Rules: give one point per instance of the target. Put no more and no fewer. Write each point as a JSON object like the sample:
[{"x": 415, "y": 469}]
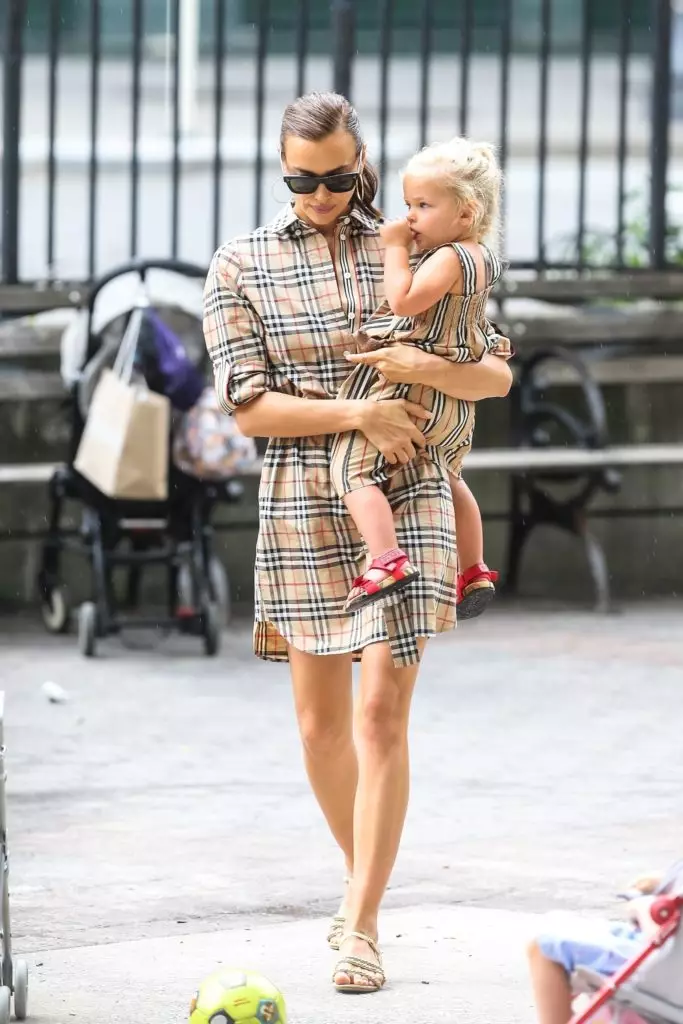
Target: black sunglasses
[{"x": 307, "y": 184}]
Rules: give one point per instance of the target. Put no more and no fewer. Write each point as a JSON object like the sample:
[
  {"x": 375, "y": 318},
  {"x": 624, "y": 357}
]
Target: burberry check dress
[
  {"x": 278, "y": 317},
  {"x": 455, "y": 328}
]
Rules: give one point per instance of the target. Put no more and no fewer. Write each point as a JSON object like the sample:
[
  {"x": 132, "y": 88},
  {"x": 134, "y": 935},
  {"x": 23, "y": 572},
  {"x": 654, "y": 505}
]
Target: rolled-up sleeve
[{"x": 234, "y": 335}]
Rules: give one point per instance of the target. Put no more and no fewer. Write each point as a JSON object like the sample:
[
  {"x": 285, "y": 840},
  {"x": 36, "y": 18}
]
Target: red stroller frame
[{"x": 666, "y": 912}]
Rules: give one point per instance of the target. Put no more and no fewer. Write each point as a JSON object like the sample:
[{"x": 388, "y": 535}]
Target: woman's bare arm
[
  {"x": 491, "y": 377},
  {"x": 276, "y": 415},
  {"x": 389, "y": 426}
]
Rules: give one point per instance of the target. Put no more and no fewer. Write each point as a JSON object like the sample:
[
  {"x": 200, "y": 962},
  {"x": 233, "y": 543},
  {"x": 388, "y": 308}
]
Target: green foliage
[{"x": 600, "y": 247}]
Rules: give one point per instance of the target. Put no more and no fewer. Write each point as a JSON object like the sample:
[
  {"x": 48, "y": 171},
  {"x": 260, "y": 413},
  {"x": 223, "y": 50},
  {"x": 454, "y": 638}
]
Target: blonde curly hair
[{"x": 470, "y": 172}]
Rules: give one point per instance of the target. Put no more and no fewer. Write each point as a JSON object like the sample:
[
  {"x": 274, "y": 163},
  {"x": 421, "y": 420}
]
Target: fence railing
[{"x": 170, "y": 146}]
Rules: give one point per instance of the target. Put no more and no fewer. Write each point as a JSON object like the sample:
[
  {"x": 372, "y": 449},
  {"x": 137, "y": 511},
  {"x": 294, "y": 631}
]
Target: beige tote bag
[{"x": 124, "y": 450}]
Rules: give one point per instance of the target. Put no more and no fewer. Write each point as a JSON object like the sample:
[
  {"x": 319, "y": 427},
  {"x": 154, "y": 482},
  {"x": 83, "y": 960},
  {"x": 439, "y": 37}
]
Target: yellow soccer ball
[{"x": 232, "y": 996}]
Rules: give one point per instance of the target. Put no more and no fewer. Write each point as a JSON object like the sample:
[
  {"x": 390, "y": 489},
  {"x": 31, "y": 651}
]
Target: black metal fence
[{"x": 169, "y": 145}]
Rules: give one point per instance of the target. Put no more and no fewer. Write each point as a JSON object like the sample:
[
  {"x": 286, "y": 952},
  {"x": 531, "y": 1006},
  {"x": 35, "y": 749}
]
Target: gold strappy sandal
[
  {"x": 356, "y": 965},
  {"x": 336, "y": 932}
]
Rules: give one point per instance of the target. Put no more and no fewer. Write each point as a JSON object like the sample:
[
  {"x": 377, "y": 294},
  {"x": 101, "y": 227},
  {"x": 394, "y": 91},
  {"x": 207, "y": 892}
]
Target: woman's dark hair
[{"x": 318, "y": 114}]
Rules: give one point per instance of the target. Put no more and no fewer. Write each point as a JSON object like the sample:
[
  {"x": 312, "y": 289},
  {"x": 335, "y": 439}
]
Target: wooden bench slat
[
  {"x": 619, "y": 285},
  {"x": 589, "y": 328},
  {"x": 27, "y": 345},
  {"x": 517, "y": 459},
  {"x": 503, "y": 459},
  {"x": 622, "y": 284},
  {"x": 30, "y": 385},
  {"x": 643, "y": 369},
  {"x": 37, "y": 473},
  {"x": 29, "y": 298}
]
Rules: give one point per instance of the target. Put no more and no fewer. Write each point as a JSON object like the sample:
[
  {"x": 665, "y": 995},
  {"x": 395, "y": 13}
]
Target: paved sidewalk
[
  {"x": 449, "y": 964},
  {"x": 160, "y": 822}
]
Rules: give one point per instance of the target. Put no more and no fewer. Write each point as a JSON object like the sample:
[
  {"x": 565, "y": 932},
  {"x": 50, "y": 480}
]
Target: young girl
[{"x": 452, "y": 191}]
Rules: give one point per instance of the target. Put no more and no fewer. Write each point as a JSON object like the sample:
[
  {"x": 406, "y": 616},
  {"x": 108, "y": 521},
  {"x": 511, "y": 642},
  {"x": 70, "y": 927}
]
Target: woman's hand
[
  {"x": 397, "y": 363},
  {"x": 407, "y": 364},
  {"x": 396, "y": 232},
  {"x": 390, "y": 427}
]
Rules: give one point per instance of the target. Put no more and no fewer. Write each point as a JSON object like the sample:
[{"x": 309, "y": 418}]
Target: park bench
[{"x": 588, "y": 331}]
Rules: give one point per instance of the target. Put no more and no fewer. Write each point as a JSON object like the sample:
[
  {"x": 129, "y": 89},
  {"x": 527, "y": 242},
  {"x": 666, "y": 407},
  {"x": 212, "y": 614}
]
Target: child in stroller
[{"x": 610, "y": 960}]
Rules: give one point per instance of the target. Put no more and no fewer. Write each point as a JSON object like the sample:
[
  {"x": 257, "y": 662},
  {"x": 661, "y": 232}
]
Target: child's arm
[{"x": 409, "y": 294}]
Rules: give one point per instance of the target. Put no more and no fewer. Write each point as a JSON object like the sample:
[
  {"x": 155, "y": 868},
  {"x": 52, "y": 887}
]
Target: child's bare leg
[
  {"x": 374, "y": 518},
  {"x": 552, "y": 991},
  {"x": 468, "y": 526},
  {"x": 372, "y": 514},
  {"x": 475, "y": 580}
]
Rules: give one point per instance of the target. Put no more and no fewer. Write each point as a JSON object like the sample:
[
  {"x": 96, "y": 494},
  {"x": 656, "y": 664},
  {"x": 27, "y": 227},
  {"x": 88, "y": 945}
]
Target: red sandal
[
  {"x": 476, "y": 590},
  {"x": 400, "y": 574}
]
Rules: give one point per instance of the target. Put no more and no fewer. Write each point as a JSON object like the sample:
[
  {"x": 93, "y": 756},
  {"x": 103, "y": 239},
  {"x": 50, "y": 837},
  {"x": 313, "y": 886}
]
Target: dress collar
[{"x": 288, "y": 223}]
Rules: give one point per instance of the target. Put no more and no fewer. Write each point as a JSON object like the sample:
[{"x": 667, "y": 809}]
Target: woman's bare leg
[
  {"x": 323, "y": 698},
  {"x": 552, "y": 991},
  {"x": 381, "y": 726}
]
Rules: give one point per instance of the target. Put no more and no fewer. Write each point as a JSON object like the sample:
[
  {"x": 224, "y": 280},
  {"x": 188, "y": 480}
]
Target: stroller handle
[{"x": 141, "y": 267}]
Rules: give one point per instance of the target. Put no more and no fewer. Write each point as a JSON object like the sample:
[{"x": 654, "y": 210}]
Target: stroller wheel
[
  {"x": 5, "y": 1005},
  {"x": 55, "y": 609},
  {"x": 212, "y": 630},
  {"x": 20, "y": 989},
  {"x": 87, "y": 631},
  {"x": 184, "y": 592},
  {"x": 220, "y": 589}
]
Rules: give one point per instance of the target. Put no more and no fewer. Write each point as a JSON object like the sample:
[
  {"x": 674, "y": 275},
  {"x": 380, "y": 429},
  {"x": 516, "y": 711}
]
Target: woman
[{"x": 280, "y": 305}]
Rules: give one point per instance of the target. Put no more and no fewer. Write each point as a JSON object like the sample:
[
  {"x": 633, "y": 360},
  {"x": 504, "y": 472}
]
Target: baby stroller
[
  {"x": 14, "y": 972},
  {"x": 649, "y": 988},
  {"x": 176, "y": 532}
]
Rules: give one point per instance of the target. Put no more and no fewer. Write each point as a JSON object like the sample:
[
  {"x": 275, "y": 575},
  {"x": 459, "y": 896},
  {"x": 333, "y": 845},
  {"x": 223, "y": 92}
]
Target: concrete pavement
[
  {"x": 160, "y": 821},
  {"x": 451, "y": 964}
]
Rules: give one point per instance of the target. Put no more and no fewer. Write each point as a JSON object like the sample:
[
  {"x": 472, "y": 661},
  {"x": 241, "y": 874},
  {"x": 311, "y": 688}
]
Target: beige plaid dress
[
  {"x": 455, "y": 328},
  {"x": 278, "y": 318}
]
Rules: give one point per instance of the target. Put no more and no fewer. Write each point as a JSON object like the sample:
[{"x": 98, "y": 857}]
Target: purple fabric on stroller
[{"x": 181, "y": 381}]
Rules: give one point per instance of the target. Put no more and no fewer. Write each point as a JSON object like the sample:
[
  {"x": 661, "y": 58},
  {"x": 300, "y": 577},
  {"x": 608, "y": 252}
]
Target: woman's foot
[
  {"x": 387, "y": 574},
  {"x": 360, "y": 968},
  {"x": 338, "y": 922},
  {"x": 476, "y": 590}
]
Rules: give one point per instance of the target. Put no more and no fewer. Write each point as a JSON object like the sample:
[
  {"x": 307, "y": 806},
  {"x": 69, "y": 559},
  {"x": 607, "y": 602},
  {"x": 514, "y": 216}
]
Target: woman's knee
[
  {"x": 324, "y": 736},
  {"x": 323, "y": 701},
  {"x": 384, "y": 700},
  {"x": 382, "y": 719}
]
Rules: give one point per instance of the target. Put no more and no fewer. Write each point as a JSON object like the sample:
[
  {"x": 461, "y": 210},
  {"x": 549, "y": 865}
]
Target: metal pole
[
  {"x": 677, "y": 59},
  {"x": 188, "y": 63},
  {"x": 661, "y": 110},
  {"x": 11, "y": 164},
  {"x": 343, "y": 37}
]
